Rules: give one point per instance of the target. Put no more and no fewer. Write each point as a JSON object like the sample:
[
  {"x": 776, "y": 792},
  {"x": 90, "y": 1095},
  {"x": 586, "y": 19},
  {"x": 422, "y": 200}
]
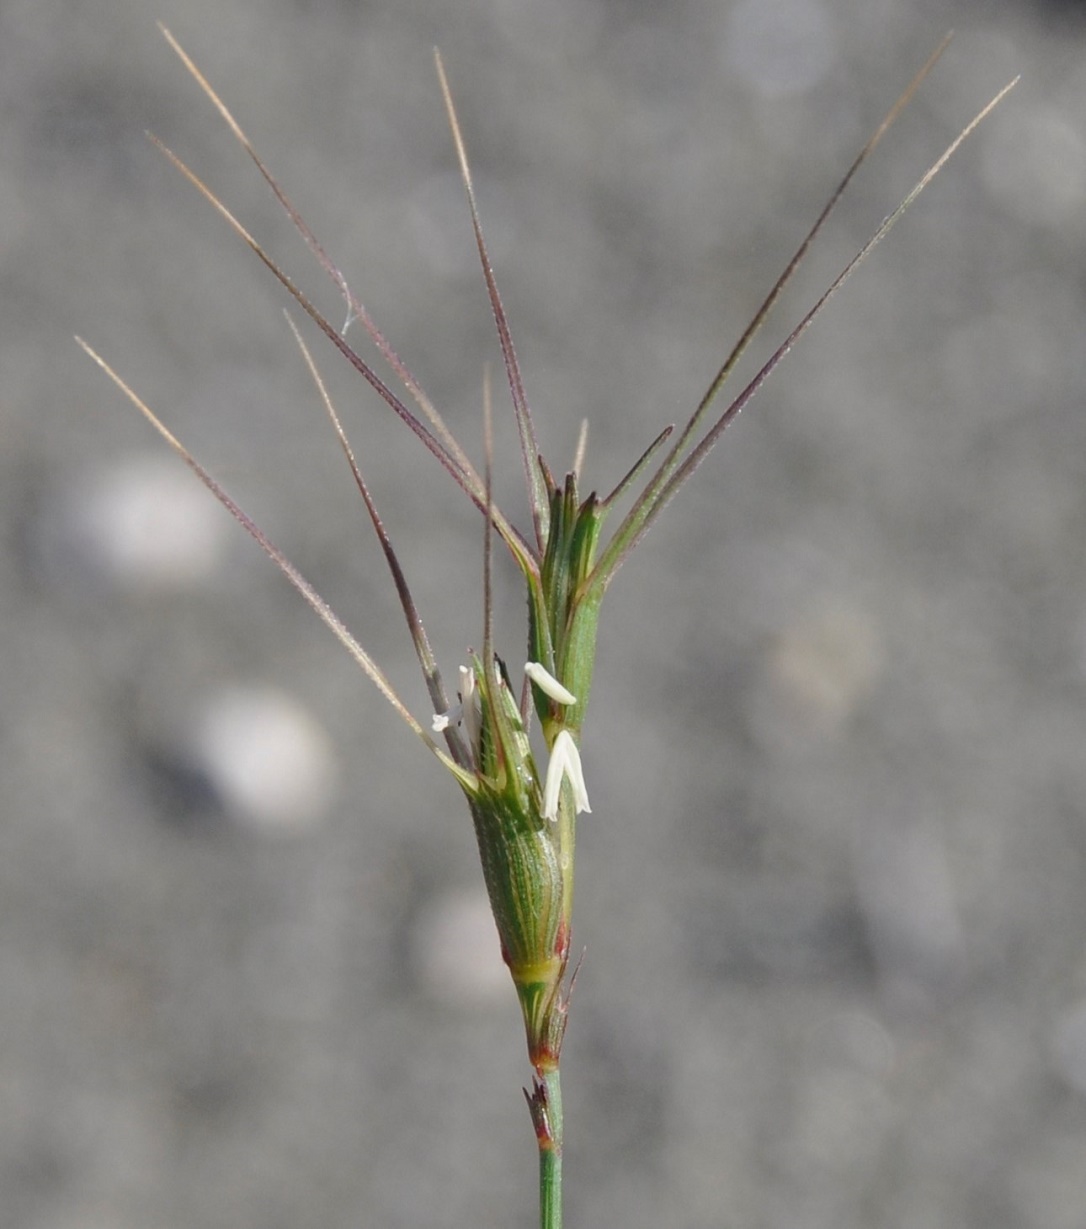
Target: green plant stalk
[
  {"x": 545, "y": 1104},
  {"x": 550, "y": 1157}
]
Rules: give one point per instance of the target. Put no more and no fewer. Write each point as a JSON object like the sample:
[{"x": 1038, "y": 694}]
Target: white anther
[
  {"x": 565, "y": 762},
  {"x": 546, "y": 682}
]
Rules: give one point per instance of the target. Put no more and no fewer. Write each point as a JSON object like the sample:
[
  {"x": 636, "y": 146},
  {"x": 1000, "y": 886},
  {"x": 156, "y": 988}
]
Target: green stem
[{"x": 548, "y": 1112}]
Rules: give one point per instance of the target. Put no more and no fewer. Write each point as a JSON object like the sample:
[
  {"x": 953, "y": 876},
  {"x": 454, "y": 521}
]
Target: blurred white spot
[
  {"x": 825, "y": 664},
  {"x": 455, "y": 949},
  {"x": 267, "y": 758},
  {"x": 907, "y": 894},
  {"x": 779, "y": 47},
  {"x": 1035, "y": 163},
  {"x": 148, "y": 521}
]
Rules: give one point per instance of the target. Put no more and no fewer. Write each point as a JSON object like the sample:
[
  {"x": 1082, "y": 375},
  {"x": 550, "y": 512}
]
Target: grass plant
[{"x": 524, "y": 812}]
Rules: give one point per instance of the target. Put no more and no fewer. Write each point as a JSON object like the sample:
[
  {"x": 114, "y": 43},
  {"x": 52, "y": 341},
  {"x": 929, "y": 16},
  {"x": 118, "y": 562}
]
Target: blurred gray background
[{"x": 833, "y": 889}]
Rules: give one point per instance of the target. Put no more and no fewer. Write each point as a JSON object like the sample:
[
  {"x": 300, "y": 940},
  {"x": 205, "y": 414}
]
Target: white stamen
[
  {"x": 546, "y": 682},
  {"x": 469, "y": 708},
  {"x": 464, "y": 711},
  {"x": 565, "y": 762}
]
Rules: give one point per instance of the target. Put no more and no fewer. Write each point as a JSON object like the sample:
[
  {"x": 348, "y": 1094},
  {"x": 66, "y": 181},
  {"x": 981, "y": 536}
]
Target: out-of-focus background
[{"x": 833, "y": 889}]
